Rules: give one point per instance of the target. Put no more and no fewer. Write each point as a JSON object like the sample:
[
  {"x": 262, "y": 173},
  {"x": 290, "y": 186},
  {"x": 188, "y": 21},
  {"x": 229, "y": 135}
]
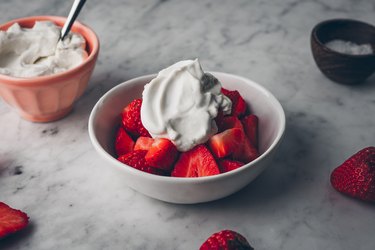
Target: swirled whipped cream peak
[
  {"x": 180, "y": 104},
  {"x": 37, "y": 51}
]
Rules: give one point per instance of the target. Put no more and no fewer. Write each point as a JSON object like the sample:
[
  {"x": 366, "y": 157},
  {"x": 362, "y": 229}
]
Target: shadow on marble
[
  {"x": 369, "y": 81},
  {"x": 14, "y": 239},
  {"x": 350, "y": 201},
  {"x": 299, "y": 167},
  {"x": 281, "y": 177}
]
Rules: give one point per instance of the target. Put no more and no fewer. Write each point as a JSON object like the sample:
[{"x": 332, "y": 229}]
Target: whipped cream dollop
[
  {"x": 37, "y": 51},
  {"x": 180, "y": 104}
]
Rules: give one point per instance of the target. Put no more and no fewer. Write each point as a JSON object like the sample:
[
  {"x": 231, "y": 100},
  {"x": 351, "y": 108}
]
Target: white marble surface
[{"x": 52, "y": 172}]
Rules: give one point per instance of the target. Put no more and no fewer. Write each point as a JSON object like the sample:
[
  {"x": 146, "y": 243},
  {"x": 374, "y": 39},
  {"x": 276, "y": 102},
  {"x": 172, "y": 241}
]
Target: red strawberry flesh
[
  {"x": 356, "y": 176},
  {"x": 219, "y": 120},
  {"x": 11, "y": 220},
  {"x": 196, "y": 162},
  {"x": 226, "y": 165},
  {"x": 143, "y": 143},
  {"x": 123, "y": 143},
  {"x": 162, "y": 154},
  {"x": 246, "y": 153},
  {"x": 228, "y": 122},
  {"x": 224, "y": 143},
  {"x": 250, "y": 126}
]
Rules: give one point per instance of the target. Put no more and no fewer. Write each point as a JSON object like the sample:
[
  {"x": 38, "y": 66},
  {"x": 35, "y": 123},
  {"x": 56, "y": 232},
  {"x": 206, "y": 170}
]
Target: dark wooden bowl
[{"x": 339, "y": 67}]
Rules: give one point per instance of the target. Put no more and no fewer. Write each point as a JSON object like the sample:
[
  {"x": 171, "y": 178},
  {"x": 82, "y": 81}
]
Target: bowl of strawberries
[{"x": 242, "y": 146}]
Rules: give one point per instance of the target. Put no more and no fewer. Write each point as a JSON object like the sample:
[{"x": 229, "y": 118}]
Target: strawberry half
[
  {"x": 131, "y": 119},
  {"x": 11, "y": 220},
  {"x": 356, "y": 176},
  {"x": 219, "y": 119},
  {"x": 226, "y": 165},
  {"x": 238, "y": 147},
  {"x": 226, "y": 240},
  {"x": 224, "y": 143},
  {"x": 196, "y": 162},
  {"x": 246, "y": 152},
  {"x": 228, "y": 122},
  {"x": 123, "y": 143},
  {"x": 250, "y": 126},
  {"x": 238, "y": 103},
  {"x": 143, "y": 143},
  {"x": 136, "y": 159},
  {"x": 162, "y": 154}
]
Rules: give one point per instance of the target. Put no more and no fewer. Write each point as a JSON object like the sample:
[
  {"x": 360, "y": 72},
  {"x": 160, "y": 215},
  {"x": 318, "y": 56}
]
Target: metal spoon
[{"x": 74, "y": 11}]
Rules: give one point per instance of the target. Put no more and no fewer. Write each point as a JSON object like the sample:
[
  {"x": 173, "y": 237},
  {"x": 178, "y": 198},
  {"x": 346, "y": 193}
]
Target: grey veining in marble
[{"x": 52, "y": 172}]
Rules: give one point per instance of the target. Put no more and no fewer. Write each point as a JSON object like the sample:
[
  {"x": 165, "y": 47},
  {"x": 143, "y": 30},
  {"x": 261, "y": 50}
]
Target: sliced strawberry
[
  {"x": 162, "y": 154},
  {"x": 238, "y": 147},
  {"x": 131, "y": 119},
  {"x": 136, "y": 159},
  {"x": 123, "y": 143},
  {"x": 224, "y": 143},
  {"x": 143, "y": 143},
  {"x": 250, "y": 126},
  {"x": 240, "y": 108},
  {"x": 246, "y": 154},
  {"x": 245, "y": 151},
  {"x": 196, "y": 162},
  {"x": 219, "y": 119},
  {"x": 230, "y": 122},
  {"x": 226, "y": 165},
  {"x": 11, "y": 220},
  {"x": 238, "y": 103}
]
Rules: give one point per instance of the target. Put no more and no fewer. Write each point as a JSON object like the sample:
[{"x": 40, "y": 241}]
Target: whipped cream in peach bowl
[
  {"x": 38, "y": 51},
  {"x": 41, "y": 83}
]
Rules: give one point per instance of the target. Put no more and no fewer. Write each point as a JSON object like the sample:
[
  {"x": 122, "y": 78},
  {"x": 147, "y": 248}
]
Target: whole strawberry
[
  {"x": 356, "y": 176},
  {"x": 226, "y": 240}
]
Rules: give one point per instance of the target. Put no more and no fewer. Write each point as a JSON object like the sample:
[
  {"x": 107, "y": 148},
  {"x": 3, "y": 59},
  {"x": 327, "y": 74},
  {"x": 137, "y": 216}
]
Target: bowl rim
[
  {"x": 39, "y": 79},
  {"x": 339, "y": 20},
  {"x": 170, "y": 179}
]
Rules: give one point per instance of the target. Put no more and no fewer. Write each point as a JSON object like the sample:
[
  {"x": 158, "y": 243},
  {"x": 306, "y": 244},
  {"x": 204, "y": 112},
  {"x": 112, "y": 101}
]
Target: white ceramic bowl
[{"x": 105, "y": 118}]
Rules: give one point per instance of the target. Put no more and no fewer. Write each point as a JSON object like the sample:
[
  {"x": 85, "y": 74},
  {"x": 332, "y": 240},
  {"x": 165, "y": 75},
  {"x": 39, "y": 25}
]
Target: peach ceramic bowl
[
  {"x": 49, "y": 98},
  {"x": 106, "y": 117}
]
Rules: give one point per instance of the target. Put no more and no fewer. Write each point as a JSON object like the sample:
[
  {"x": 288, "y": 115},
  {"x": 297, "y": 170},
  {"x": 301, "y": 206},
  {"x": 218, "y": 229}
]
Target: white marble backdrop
[{"x": 52, "y": 172}]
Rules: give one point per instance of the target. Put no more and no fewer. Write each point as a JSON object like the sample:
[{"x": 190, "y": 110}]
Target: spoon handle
[{"x": 74, "y": 11}]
